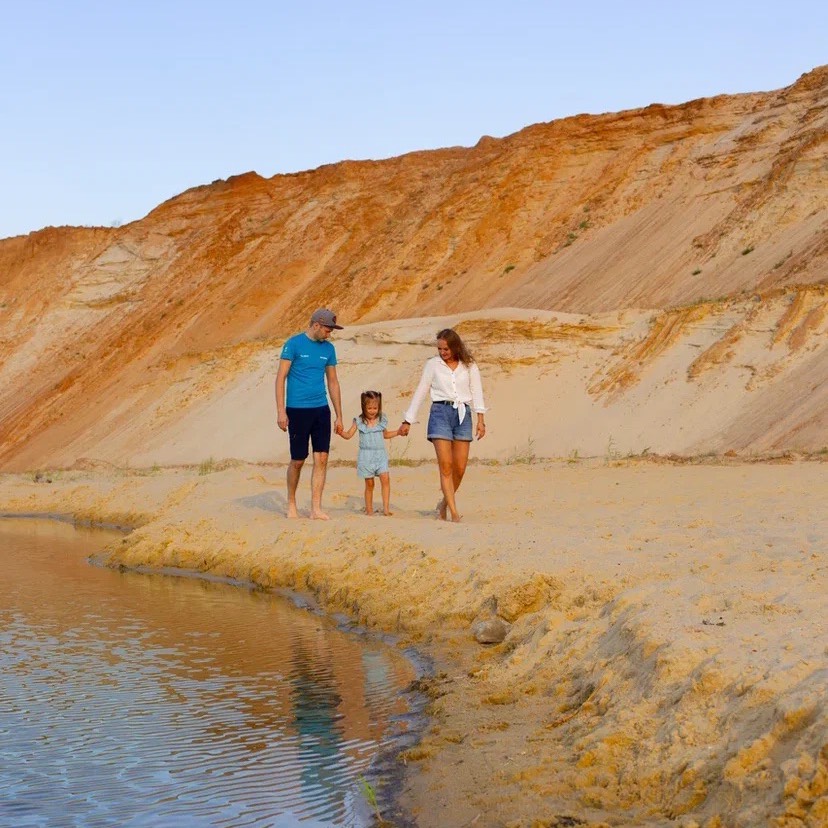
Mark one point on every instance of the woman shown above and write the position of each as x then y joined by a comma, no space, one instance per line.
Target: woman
456,390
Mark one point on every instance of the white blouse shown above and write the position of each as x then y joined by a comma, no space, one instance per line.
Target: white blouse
462,387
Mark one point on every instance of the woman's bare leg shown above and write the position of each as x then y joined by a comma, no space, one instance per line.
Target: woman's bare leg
459,461
445,463
385,483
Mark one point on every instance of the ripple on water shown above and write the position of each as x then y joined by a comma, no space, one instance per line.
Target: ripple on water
141,700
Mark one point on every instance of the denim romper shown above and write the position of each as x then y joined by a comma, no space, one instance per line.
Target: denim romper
372,458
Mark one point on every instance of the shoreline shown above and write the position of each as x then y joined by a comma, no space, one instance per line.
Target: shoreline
613,580
385,764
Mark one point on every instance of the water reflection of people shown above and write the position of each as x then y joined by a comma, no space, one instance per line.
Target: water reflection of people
317,718
235,707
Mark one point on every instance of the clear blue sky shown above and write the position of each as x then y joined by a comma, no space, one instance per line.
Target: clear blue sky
109,108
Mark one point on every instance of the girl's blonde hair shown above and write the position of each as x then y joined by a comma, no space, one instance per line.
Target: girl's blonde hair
456,345
363,399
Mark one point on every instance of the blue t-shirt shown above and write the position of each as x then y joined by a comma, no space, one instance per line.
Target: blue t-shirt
306,377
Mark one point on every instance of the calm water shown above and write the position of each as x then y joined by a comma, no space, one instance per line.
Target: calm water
144,700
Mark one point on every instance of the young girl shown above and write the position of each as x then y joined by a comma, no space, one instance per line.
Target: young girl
372,460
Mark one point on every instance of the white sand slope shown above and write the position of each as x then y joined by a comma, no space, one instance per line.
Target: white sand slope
741,375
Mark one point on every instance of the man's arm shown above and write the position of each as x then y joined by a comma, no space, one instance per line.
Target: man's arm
281,378
336,396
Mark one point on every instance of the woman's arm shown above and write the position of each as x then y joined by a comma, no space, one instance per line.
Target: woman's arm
478,403
476,388
419,395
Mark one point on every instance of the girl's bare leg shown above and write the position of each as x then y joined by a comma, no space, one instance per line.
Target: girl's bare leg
369,495
385,483
445,463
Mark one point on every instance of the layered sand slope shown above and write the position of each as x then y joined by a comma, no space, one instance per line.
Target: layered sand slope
659,208
747,376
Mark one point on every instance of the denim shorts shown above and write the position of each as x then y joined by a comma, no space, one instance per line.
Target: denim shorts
444,423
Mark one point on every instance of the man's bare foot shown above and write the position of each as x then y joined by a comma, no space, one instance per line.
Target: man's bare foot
319,516
291,512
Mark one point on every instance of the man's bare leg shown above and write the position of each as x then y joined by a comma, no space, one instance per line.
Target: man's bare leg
294,470
320,468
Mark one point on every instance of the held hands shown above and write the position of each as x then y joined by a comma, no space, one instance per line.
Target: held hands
338,428
404,429
344,433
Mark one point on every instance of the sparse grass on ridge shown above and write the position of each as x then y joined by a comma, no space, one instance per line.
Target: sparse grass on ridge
611,454
485,331
524,454
782,261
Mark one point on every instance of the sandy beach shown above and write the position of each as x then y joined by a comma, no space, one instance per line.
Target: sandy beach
666,650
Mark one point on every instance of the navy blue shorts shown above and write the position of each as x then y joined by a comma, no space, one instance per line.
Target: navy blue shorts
444,423
312,424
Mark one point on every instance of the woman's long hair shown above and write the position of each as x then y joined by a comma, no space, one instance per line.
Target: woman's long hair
363,399
456,345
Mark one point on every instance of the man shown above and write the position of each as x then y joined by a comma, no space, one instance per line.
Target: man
307,361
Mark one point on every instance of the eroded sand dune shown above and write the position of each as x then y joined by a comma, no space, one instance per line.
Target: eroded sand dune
634,285
744,375
664,208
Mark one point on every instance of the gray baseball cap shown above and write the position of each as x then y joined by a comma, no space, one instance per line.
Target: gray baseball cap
325,317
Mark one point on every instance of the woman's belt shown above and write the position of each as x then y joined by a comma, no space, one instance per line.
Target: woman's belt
461,407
